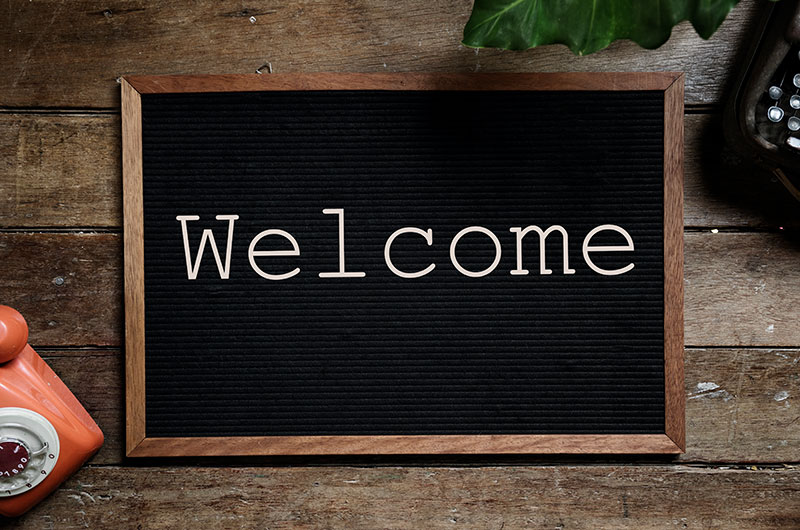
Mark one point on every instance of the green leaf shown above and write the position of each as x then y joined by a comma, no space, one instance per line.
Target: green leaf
587,26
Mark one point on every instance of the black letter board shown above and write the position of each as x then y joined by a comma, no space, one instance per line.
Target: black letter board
350,264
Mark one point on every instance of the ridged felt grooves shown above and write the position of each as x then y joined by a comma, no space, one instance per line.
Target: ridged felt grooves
441,354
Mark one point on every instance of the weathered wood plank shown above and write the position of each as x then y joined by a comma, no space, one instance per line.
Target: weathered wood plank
741,289
738,288
60,170
64,171
68,286
69,54
400,497
741,403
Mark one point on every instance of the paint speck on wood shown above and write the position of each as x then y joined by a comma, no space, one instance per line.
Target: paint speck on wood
782,395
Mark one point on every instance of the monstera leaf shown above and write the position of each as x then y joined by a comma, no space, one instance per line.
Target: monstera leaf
587,26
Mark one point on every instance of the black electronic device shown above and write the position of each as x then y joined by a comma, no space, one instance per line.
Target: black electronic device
762,118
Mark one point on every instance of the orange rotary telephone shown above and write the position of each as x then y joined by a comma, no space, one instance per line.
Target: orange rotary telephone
45,433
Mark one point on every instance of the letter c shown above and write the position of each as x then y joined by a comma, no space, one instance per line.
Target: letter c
428,235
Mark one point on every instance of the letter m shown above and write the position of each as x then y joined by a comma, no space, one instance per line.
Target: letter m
208,236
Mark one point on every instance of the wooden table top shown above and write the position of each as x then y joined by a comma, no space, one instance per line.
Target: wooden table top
60,265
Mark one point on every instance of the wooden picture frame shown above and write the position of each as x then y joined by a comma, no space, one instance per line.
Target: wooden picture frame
672,441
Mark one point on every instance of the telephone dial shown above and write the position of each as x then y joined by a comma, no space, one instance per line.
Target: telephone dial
45,433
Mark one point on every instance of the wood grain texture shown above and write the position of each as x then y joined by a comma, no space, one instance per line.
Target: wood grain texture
578,81
59,171
577,497
740,403
65,171
71,54
133,266
467,444
737,287
741,289
675,405
67,286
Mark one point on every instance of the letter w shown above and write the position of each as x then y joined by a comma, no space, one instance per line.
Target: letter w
224,272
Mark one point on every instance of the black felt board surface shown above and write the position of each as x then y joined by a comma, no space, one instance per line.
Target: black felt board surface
440,354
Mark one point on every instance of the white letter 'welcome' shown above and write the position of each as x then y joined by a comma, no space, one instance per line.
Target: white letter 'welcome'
208,235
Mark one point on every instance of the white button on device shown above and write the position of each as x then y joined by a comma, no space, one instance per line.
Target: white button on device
775,114
775,92
28,450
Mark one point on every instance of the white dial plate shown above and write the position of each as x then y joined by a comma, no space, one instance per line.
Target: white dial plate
37,437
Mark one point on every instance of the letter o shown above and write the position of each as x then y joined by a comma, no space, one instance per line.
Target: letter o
482,230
